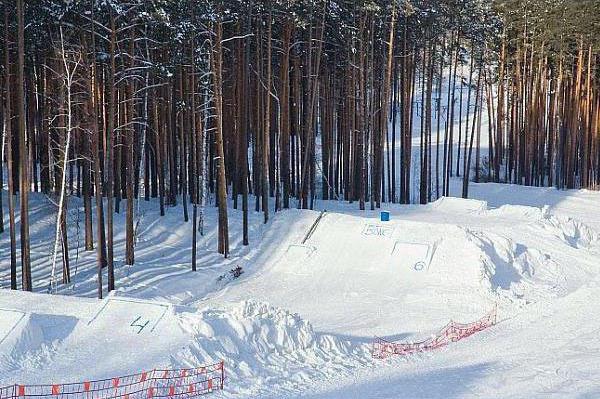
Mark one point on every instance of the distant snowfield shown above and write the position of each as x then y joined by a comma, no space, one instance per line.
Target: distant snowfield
300,319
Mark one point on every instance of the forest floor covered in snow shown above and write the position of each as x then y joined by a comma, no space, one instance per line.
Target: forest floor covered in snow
293,319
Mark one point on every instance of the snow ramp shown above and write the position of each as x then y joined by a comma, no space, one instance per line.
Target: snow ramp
129,316
31,339
362,275
9,323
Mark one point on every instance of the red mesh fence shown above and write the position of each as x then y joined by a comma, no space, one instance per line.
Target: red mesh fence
452,332
155,384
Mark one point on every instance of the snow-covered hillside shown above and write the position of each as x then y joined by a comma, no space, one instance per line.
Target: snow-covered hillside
300,318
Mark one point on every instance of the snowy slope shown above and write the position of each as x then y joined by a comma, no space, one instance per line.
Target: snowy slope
300,318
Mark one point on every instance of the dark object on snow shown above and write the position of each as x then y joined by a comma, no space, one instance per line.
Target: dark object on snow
314,226
232,274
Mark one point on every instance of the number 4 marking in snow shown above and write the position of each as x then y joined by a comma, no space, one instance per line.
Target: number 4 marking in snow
139,325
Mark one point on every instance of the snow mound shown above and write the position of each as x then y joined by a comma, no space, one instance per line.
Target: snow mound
459,205
34,341
266,348
571,231
518,212
516,272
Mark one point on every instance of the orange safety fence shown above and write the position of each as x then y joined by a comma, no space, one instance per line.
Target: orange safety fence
452,332
154,384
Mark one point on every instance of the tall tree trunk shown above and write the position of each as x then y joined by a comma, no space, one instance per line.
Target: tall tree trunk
217,65
23,153
109,166
267,127
285,119
9,153
313,76
466,173
130,157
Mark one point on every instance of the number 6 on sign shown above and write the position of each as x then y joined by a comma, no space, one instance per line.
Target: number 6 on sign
419,266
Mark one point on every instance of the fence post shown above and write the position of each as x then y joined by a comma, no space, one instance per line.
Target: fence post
222,373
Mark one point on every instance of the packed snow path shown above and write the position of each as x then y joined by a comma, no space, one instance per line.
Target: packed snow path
300,318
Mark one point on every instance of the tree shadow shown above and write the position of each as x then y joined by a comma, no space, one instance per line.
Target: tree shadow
591,394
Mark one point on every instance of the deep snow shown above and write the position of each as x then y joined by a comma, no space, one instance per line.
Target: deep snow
300,318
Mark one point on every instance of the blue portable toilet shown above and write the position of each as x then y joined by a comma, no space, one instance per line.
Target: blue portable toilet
385,216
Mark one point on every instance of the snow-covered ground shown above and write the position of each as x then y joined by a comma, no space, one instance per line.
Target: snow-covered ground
300,319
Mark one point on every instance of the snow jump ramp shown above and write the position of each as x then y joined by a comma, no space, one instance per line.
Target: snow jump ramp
130,315
12,321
